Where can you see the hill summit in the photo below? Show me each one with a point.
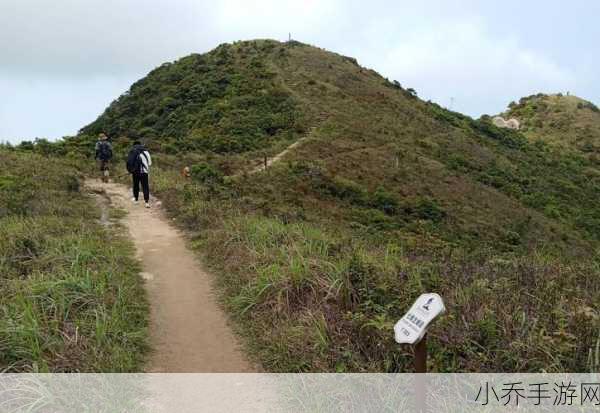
(558, 119)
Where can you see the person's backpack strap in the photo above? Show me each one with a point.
(143, 153)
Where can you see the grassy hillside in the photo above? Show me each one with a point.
(69, 290)
(562, 120)
(386, 197)
(221, 101)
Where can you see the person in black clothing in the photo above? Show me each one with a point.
(138, 165)
(103, 155)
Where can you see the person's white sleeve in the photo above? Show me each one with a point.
(149, 159)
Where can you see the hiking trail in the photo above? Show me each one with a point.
(322, 117)
(188, 329)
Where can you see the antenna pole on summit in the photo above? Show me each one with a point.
(289, 37)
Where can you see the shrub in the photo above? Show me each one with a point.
(411, 92)
(588, 105)
(373, 218)
(306, 169)
(348, 190)
(429, 209)
(385, 201)
(205, 173)
(26, 146)
(512, 237)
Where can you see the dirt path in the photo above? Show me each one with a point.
(270, 161)
(188, 329)
(279, 156)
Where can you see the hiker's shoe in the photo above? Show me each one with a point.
(135, 201)
(147, 205)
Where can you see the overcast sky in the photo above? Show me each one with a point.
(63, 61)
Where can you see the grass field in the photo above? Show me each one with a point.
(319, 295)
(70, 294)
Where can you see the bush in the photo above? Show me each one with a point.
(205, 173)
(349, 190)
(429, 209)
(374, 218)
(411, 92)
(588, 105)
(385, 201)
(512, 237)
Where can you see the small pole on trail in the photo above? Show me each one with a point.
(265, 161)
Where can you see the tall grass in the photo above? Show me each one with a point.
(71, 299)
(314, 296)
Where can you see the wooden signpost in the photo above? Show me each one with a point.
(412, 329)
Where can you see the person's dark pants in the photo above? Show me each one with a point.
(143, 179)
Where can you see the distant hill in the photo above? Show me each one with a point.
(559, 119)
(384, 196)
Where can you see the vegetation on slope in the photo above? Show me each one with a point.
(220, 101)
(71, 298)
(563, 120)
(391, 197)
(386, 198)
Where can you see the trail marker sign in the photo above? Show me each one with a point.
(411, 328)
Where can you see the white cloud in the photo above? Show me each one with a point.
(50, 107)
(273, 15)
(91, 37)
(62, 61)
(463, 61)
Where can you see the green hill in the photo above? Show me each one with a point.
(562, 120)
(384, 197)
(229, 100)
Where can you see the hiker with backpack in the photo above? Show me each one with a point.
(138, 165)
(103, 156)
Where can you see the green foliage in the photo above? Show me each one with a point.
(388, 197)
(71, 296)
(588, 105)
(347, 189)
(321, 298)
(385, 201)
(26, 146)
(564, 121)
(430, 210)
(206, 173)
(225, 101)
